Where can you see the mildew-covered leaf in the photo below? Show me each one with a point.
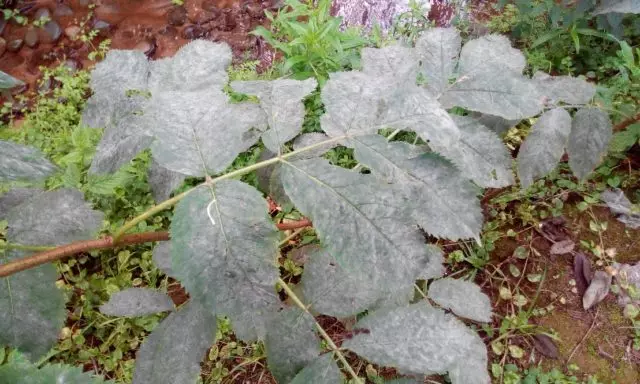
(495, 123)
(14, 197)
(162, 257)
(201, 133)
(570, 90)
(323, 370)
(619, 205)
(591, 131)
(18, 373)
(360, 103)
(19, 162)
(7, 81)
(618, 6)
(163, 181)
(291, 343)
(435, 267)
(420, 338)
(281, 101)
(269, 179)
(134, 302)
(438, 49)
(490, 52)
(598, 289)
(224, 234)
(479, 154)
(464, 298)
(542, 150)
(309, 139)
(173, 351)
(393, 60)
(359, 220)
(444, 203)
(33, 308)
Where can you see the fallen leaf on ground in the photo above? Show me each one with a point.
(598, 289)
(582, 272)
(545, 345)
(620, 206)
(563, 247)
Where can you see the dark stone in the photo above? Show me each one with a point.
(193, 32)
(146, 47)
(31, 37)
(3, 46)
(14, 45)
(62, 10)
(3, 23)
(229, 21)
(102, 27)
(42, 13)
(53, 31)
(177, 16)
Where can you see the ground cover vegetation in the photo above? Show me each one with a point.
(384, 147)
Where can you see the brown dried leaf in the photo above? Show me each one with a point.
(582, 272)
(598, 289)
(545, 345)
(563, 247)
(554, 229)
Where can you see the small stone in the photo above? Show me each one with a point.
(146, 47)
(42, 13)
(177, 16)
(193, 32)
(72, 65)
(102, 27)
(3, 46)
(14, 45)
(72, 32)
(85, 3)
(62, 10)
(31, 37)
(53, 31)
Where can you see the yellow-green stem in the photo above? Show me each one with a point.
(322, 332)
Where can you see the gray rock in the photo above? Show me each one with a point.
(72, 31)
(62, 10)
(14, 45)
(146, 47)
(31, 37)
(102, 26)
(52, 31)
(42, 13)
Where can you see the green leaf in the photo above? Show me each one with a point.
(622, 141)
(618, 6)
(281, 101)
(33, 308)
(182, 339)
(7, 81)
(291, 343)
(323, 370)
(134, 302)
(464, 298)
(107, 184)
(359, 220)
(438, 49)
(56, 373)
(224, 234)
(443, 203)
(163, 181)
(567, 89)
(591, 131)
(547, 37)
(543, 148)
(19, 162)
(422, 339)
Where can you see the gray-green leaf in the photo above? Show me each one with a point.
(14, 197)
(291, 343)
(490, 52)
(323, 370)
(181, 339)
(423, 339)
(162, 257)
(163, 181)
(618, 6)
(591, 131)
(464, 298)
(495, 123)
(438, 49)
(443, 202)
(55, 373)
(134, 302)
(543, 148)
(570, 90)
(224, 234)
(281, 100)
(7, 81)
(19, 162)
(393, 60)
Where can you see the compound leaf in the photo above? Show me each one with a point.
(53, 373)
(495, 123)
(591, 131)
(134, 302)
(464, 298)
(393, 60)
(19, 162)
(291, 343)
(163, 181)
(438, 49)
(323, 370)
(162, 257)
(479, 154)
(618, 6)
(182, 339)
(14, 197)
(435, 267)
(422, 339)
(201, 133)
(224, 234)
(33, 308)
(359, 219)
(309, 139)
(490, 52)
(444, 202)
(543, 148)
(570, 90)
(281, 100)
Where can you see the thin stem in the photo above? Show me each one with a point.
(239, 172)
(322, 332)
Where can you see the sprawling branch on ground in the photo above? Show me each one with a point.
(59, 253)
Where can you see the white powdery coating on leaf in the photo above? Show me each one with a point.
(618, 6)
(137, 302)
(422, 339)
(394, 60)
(621, 207)
(570, 90)
(163, 181)
(438, 49)
(14, 197)
(323, 370)
(281, 100)
(174, 350)
(543, 148)
(19, 162)
(490, 51)
(464, 298)
(23, 373)
(591, 132)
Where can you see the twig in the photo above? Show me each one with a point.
(625, 123)
(593, 323)
(58, 253)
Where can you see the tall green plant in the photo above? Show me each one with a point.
(223, 244)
